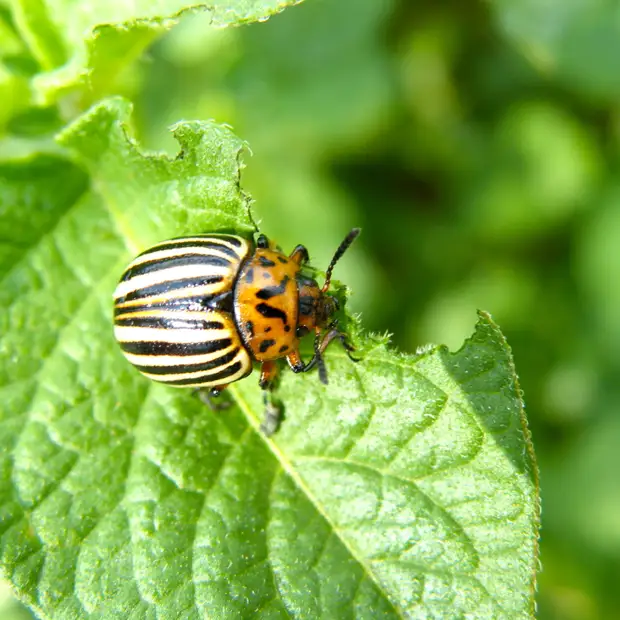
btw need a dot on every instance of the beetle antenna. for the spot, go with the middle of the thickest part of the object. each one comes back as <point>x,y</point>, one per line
<point>342,248</point>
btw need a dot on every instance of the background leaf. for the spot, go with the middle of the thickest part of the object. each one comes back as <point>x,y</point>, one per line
<point>573,39</point>
<point>73,43</point>
<point>297,110</point>
<point>406,488</point>
<point>484,173</point>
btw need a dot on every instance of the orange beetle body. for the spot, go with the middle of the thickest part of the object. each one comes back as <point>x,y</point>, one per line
<point>266,304</point>
<point>198,311</point>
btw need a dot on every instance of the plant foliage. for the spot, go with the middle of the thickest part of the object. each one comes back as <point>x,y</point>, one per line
<point>406,488</point>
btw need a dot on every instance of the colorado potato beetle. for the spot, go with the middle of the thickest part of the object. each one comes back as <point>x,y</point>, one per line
<point>199,311</point>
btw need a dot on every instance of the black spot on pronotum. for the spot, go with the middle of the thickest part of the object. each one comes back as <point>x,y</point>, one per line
<point>273,291</point>
<point>283,348</point>
<point>249,327</point>
<point>267,329</point>
<point>265,344</point>
<point>283,260</point>
<point>265,262</point>
<point>269,312</point>
<point>287,328</point>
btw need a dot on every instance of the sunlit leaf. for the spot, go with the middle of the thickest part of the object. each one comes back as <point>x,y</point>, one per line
<point>88,46</point>
<point>405,488</point>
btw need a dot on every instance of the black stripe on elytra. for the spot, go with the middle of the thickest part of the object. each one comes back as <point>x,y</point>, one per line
<point>273,291</point>
<point>232,240</point>
<point>155,347</point>
<point>210,378</point>
<point>176,369</point>
<point>265,262</point>
<point>187,260</point>
<point>197,241</point>
<point>269,312</point>
<point>265,344</point>
<point>220,247</point>
<point>194,302</point>
<point>172,321</point>
<point>172,285</point>
<point>283,260</point>
<point>208,244</point>
<point>222,302</point>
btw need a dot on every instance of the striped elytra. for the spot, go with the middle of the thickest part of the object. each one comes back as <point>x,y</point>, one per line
<point>199,311</point>
<point>173,311</point>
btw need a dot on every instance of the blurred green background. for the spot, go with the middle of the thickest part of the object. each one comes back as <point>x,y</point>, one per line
<point>477,145</point>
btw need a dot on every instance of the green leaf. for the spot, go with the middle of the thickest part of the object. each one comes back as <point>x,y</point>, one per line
<point>406,488</point>
<point>90,47</point>
<point>573,39</point>
<point>296,110</point>
<point>10,609</point>
<point>14,94</point>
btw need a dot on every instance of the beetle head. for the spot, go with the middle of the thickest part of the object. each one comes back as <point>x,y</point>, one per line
<point>316,306</point>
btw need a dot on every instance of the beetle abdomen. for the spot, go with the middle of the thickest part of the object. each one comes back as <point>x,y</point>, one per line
<point>173,312</point>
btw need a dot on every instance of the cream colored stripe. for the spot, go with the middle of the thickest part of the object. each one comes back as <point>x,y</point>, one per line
<point>125,333</point>
<point>242,250</point>
<point>179,253</point>
<point>169,275</point>
<point>176,360</point>
<point>205,290</point>
<point>179,314</point>
<point>242,357</point>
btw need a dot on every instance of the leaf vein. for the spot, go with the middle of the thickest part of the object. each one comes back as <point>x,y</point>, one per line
<point>299,482</point>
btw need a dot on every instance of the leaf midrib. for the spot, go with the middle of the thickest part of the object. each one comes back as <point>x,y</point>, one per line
<point>287,467</point>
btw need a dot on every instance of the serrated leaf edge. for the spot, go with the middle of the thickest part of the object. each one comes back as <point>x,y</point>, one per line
<point>408,362</point>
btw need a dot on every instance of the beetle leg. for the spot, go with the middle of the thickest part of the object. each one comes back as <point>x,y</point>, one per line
<point>271,421</point>
<point>268,374</point>
<point>208,396</point>
<point>295,362</point>
<point>273,416</point>
<point>335,333</point>
<point>332,335</point>
<point>317,358</point>
<point>300,255</point>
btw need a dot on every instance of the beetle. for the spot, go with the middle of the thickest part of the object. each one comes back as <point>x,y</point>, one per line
<point>199,311</point>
